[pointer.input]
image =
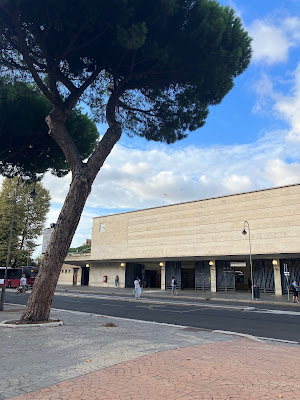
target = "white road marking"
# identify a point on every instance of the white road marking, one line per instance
(73, 301)
(262, 311)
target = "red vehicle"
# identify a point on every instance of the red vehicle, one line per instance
(14, 275)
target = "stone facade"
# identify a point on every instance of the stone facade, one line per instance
(197, 242)
(205, 228)
(70, 275)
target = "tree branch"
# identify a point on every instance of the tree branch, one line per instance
(65, 81)
(105, 146)
(57, 130)
(75, 95)
(73, 40)
(85, 44)
(24, 51)
(126, 107)
(109, 139)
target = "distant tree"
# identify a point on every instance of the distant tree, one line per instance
(25, 145)
(150, 68)
(80, 250)
(30, 217)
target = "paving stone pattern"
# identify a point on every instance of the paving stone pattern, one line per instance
(35, 358)
(239, 369)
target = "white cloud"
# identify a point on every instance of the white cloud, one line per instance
(280, 173)
(186, 174)
(272, 39)
(288, 107)
(266, 94)
(280, 105)
(270, 44)
(236, 183)
(58, 186)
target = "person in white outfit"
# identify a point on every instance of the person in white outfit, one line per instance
(137, 288)
(23, 282)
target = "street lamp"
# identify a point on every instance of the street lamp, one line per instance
(246, 225)
(9, 244)
(32, 194)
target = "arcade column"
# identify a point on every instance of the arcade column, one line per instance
(213, 276)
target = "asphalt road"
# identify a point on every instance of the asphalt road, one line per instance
(267, 323)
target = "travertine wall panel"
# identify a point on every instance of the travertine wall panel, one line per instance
(204, 228)
(109, 269)
(66, 275)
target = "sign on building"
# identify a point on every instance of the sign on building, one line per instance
(46, 238)
(238, 264)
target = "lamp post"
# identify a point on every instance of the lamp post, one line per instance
(246, 225)
(9, 244)
(32, 194)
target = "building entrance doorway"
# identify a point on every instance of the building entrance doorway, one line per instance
(225, 276)
(202, 275)
(152, 279)
(187, 275)
(188, 278)
(85, 273)
(75, 276)
(133, 270)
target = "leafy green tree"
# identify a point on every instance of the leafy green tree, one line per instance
(86, 248)
(30, 217)
(150, 68)
(25, 146)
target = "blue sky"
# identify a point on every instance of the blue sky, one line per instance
(250, 141)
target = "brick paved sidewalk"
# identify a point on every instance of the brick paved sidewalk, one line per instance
(239, 369)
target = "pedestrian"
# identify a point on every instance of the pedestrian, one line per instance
(117, 281)
(19, 288)
(295, 287)
(174, 283)
(145, 281)
(23, 282)
(249, 284)
(137, 288)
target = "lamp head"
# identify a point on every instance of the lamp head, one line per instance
(244, 232)
(33, 194)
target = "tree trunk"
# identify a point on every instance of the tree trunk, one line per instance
(83, 175)
(39, 303)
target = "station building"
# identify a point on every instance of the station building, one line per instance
(200, 243)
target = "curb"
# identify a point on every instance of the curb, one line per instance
(6, 324)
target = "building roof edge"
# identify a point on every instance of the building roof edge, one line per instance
(199, 200)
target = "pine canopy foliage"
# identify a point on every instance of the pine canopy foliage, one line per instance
(25, 145)
(167, 61)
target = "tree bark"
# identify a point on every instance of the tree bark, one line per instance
(83, 175)
(39, 303)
